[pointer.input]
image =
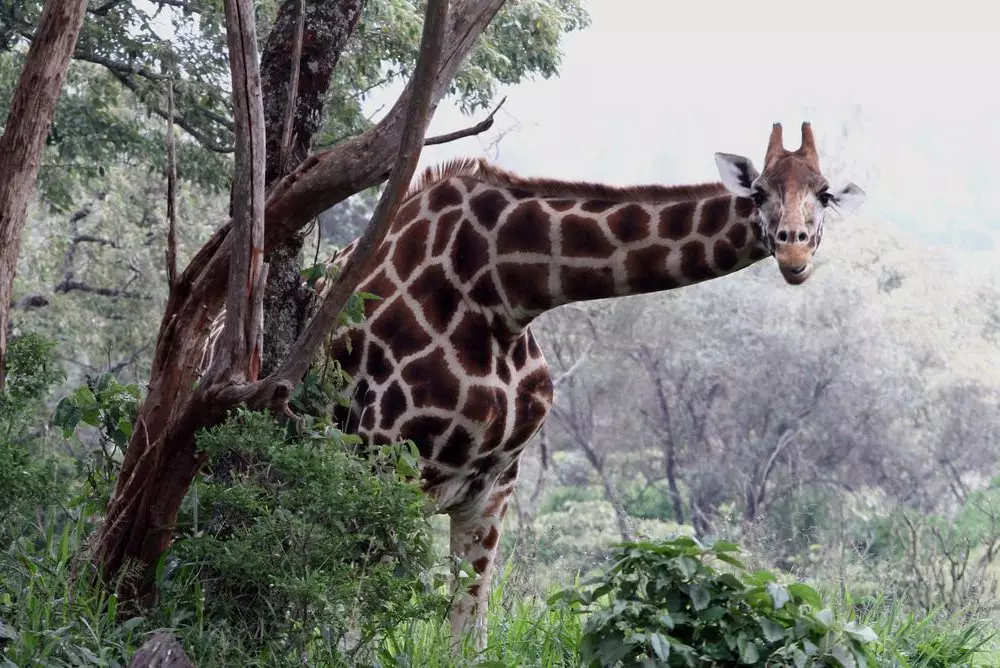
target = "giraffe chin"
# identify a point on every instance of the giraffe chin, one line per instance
(797, 274)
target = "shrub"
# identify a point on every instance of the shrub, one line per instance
(308, 552)
(665, 603)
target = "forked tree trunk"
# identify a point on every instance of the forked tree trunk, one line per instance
(161, 459)
(28, 124)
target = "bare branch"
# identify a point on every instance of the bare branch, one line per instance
(68, 285)
(171, 191)
(478, 128)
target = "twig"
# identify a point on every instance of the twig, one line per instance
(171, 191)
(478, 128)
(285, 151)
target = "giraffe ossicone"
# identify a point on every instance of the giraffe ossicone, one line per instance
(447, 358)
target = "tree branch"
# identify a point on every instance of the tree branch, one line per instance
(171, 191)
(478, 128)
(198, 135)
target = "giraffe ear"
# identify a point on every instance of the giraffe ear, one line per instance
(848, 199)
(738, 173)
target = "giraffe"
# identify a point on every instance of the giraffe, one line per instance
(446, 356)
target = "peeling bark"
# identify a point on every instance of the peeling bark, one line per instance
(28, 123)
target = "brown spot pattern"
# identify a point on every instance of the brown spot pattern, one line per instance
(597, 205)
(438, 296)
(737, 235)
(724, 255)
(470, 252)
(525, 229)
(457, 449)
(378, 365)
(442, 196)
(714, 216)
(677, 221)
(431, 383)
(526, 285)
(411, 249)
(392, 406)
(582, 283)
(443, 231)
(583, 237)
(629, 223)
(694, 264)
(472, 344)
(396, 327)
(647, 271)
(424, 430)
(487, 207)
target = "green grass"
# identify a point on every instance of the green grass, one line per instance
(522, 631)
(59, 622)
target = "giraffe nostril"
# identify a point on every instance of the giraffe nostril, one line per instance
(782, 236)
(803, 237)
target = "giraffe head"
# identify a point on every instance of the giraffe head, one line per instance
(790, 200)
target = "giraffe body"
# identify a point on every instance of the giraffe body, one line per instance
(446, 356)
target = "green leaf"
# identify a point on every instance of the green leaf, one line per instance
(125, 427)
(732, 561)
(860, 632)
(843, 656)
(806, 594)
(724, 546)
(699, 597)
(749, 653)
(67, 416)
(771, 630)
(660, 646)
(778, 594)
(825, 617)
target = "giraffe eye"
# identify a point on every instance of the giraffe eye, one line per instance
(824, 197)
(758, 196)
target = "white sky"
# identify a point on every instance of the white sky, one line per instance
(653, 88)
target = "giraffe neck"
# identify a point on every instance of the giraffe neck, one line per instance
(551, 251)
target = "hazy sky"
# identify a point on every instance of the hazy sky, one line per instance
(903, 99)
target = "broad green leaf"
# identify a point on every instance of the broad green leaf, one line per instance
(860, 632)
(806, 594)
(660, 646)
(779, 595)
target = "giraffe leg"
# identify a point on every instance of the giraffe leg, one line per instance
(475, 540)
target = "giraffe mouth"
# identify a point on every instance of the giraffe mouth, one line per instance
(798, 274)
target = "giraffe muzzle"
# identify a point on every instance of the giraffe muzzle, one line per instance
(795, 262)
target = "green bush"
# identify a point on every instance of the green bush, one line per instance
(665, 603)
(25, 476)
(307, 550)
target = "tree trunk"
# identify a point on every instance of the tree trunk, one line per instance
(327, 27)
(28, 124)
(161, 459)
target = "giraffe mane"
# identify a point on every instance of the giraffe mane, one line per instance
(482, 170)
